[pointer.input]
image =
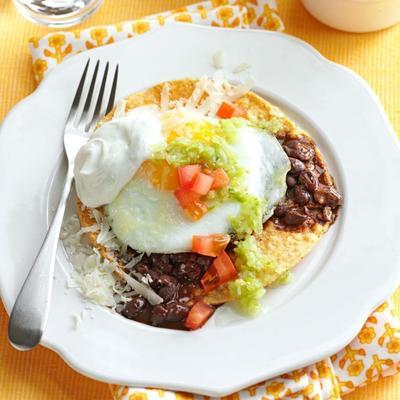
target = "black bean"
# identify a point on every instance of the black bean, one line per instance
(187, 271)
(315, 214)
(327, 195)
(300, 150)
(178, 258)
(294, 217)
(165, 267)
(290, 181)
(167, 280)
(309, 179)
(204, 261)
(166, 286)
(176, 311)
(301, 196)
(281, 210)
(154, 282)
(167, 292)
(161, 262)
(296, 166)
(157, 258)
(134, 307)
(192, 257)
(159, 314)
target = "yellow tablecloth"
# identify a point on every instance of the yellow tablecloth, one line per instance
(41, 374)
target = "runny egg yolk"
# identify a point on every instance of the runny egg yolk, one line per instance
(194, 131)
(162, 175)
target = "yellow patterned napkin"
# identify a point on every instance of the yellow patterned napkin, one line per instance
(49, 50)
(375, 352)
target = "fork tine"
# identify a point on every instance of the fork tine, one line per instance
(111, 100)
(96, 112)
(78, 94)
(89, 96)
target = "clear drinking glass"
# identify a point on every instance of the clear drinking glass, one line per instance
(57, 13)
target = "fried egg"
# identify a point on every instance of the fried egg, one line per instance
(151, 220)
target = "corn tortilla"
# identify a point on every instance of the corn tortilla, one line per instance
(286, 248)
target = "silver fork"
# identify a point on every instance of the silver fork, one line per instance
(29, 315)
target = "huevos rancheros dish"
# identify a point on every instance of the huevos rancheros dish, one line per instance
(191, 194)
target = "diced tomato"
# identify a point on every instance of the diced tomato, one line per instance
(221, 178)
(186, 197)
(186, 174)
(196, 210)
(190, 202)
(227, 110)
(225, 268)
(198, 315)
(201, 183)
(221, 271)
(192, 185)
(211, 245)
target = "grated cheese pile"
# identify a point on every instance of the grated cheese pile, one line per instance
(91, 274)
(217, 89)
(100, 280)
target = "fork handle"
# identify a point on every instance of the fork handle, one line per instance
(29, 315)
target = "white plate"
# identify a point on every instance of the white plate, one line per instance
(353, 269)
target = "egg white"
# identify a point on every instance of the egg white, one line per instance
(152, 221)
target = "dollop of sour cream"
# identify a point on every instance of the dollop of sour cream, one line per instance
(107, 162)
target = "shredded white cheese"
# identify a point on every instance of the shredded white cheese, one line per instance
(241, 68)
(86, 229)
(142, 289)
(197, 93)
(105, 237)
(101, 281)
(91, 274)
(134, 261)
(77, 320)
(164, 98)
(218, 90)
(242, 89)
(218, 59)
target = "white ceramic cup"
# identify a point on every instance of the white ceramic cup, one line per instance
(355, 15)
